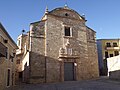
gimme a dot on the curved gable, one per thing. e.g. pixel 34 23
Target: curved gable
pixel 66 12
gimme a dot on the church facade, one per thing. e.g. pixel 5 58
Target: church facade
pixel 59 47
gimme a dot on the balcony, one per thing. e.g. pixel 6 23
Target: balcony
pixel 3 50
pixel 112 48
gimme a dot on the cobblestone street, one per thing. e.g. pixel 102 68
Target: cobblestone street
pixel 99 84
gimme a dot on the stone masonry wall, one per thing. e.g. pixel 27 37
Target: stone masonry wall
pixel 44 57
pixel 37 55
pixel 53 43
pixel 55 40
pixel 92 53
pixel 7 63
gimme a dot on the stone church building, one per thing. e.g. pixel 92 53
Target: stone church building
pixel 59 47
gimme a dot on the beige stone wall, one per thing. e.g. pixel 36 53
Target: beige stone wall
pixel 93 60
pixel 37 54
pixel 22 56
pixel 55 39
pixel 6 63
pixel 2 75
pixel 22 40
pixel 92 54
pixel 47 38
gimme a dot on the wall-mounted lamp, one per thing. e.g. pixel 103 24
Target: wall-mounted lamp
pixel 75 64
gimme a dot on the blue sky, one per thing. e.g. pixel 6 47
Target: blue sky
pixel 103 15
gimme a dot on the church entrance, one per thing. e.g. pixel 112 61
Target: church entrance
pixel 68 71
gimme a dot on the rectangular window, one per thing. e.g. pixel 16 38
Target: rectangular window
pixel 8 77
pixel 108 44
pixel 106 55
pixel 111 55
pixel 115 45
pixel 67 31
pixel 116 53
pixel 3 50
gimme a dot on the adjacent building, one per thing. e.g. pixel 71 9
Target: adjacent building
pixel 7 59
pixel 59 47
pixel 107 48
pixel 113 64
pixel 22 58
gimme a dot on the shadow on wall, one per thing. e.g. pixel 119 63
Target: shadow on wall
pixel 26 73
pixel 104 69
pixel 22 76
pixel 114 74
pixel 43 69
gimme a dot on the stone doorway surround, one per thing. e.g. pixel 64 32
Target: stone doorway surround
pixel 69 60
pixel 64 58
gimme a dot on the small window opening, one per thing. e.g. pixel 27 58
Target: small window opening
pixel 111 55
pixel 108 44
pixel 67 31
pixel 66 14
pixel 116 53
pixel 115 45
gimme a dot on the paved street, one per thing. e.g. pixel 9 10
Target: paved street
pixel 99 84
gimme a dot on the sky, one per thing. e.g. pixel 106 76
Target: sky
pixel 103 16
